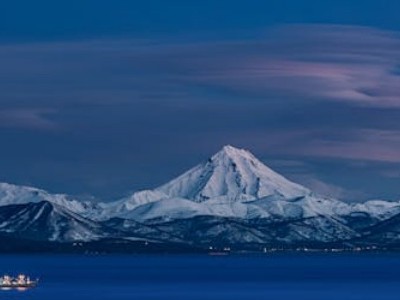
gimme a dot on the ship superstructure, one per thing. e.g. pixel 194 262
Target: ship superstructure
pixel 21 281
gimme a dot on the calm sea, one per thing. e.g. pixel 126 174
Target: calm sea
pixel 282 276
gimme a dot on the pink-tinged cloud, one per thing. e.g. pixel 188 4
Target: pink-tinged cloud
pixel 353 144
pixel 335 63
pixel 356 144
pixel 357 65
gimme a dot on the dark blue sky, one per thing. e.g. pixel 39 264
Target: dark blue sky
pixel 82 18
pixel 107 97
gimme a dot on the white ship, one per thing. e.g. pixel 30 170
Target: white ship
pixel 20 282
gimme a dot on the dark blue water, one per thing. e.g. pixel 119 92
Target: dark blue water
pixel 372 276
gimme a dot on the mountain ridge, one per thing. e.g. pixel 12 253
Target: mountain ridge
pixel 231 197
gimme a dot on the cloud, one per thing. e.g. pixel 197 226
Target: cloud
pixel 356 144
pixel 304 173
pixel 330 190
pixel 357 65
pixel 362 144
pixel 319 62
pixel 391 173
pixel 27 119
pixel 249 90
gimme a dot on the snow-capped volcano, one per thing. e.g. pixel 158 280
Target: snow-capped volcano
pixel 232 183
pixel 219 186
pixel 232 173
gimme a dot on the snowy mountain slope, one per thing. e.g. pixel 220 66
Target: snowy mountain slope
pixel 267 220
pixel 215 231
pixel 378 209
pixel 272 207
pixel 47 221
pixel 14 194
pixel 123 207
pixel 383 233
pixel 133 230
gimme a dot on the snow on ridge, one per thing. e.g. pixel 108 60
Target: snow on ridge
pixel 15 194
pixel 231 183
pixel 380 209
pixel 127 204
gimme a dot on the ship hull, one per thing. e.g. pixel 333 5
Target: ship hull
pixel 17 286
